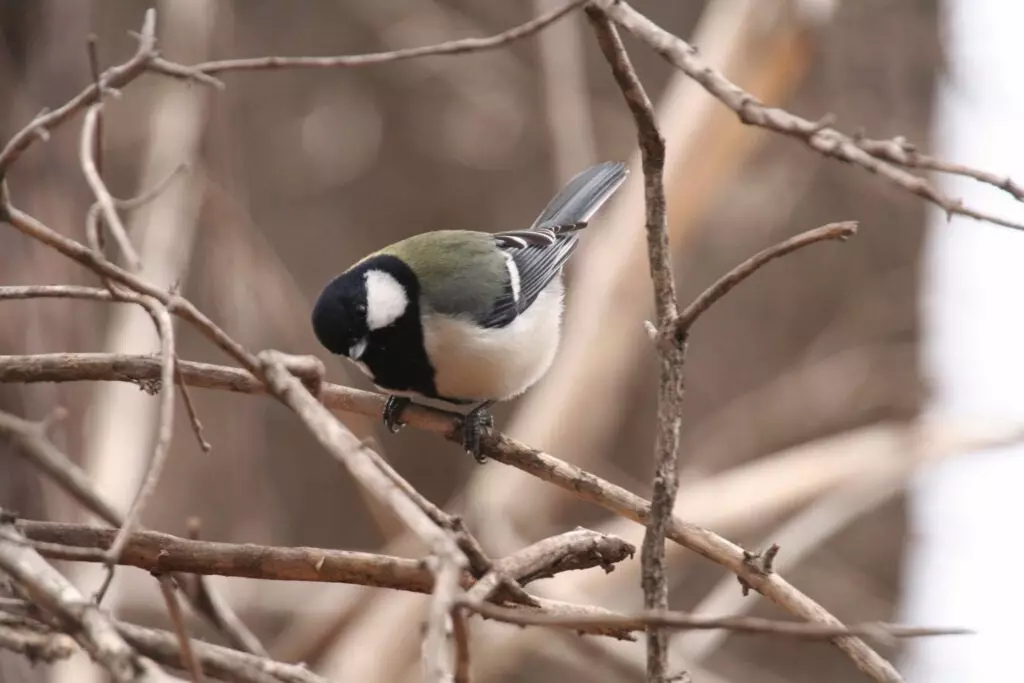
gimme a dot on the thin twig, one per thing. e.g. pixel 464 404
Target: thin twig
pixel 149 194
pixel 579 483
pixel 32 443
pixel 16 292
pixel 452 47
pixel 188 658
pixel 50 590
pixel 114 77
pixel 577 549
pixel 671 350
pixel 447 562
pixel 90 167
pixel 87 257
pixel 165 330
pixel 818 135
pixel 460 632
pixel 190 408
pixel 899 151
pixel 878 631
pixel 221 662
pixel 725 284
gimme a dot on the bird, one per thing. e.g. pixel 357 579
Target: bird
pixel 462 316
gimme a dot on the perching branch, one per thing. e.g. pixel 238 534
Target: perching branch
pixel 271 370
pixel 500 448
pixel 447 563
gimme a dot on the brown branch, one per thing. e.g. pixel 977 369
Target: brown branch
pixel 460 632
pixel 447 562
pixel 572 550
pixel 165 330
pixel 880 631
pixel 36 646
pixel 85 256
pixel 14 293
pixel 39 641
pixel 453 47
pixel 577 482
pixel 115 77
pixel 188 658
pixel 160 553
pixel 672 350
pixel 190 409
pixel 91 169
pixel 818 135
pixel 899 151
pixel 32 443
pixel 47 588
pixel 588 487
pixel 725 284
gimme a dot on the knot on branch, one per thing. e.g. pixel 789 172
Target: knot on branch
pixel 760 562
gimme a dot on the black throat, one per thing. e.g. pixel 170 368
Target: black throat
pixel 395 354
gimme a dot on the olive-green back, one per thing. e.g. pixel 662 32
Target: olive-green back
pixel 461 272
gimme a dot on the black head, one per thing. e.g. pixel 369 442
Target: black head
pixel 371 315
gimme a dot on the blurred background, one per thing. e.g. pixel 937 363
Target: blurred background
pixel 798 384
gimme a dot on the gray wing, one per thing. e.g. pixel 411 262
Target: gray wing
pixel 536 255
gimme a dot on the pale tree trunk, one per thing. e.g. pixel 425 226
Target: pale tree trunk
pixel 966 512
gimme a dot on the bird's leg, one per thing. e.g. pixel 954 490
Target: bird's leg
pixel 474 424
pixel 392 415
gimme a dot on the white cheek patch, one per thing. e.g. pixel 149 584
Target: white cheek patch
pixel 386 299
pixel 513 276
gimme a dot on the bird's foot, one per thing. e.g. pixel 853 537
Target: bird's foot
pixel 475 424
pixel 392 415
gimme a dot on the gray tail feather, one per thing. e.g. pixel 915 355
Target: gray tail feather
pixel 582 196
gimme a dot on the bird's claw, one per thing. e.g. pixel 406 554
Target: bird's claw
pixel 392 415
pixel 475 424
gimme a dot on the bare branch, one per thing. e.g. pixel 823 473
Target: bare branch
pixel 899 151
pixel 160 553
pixel 32 443
pixel 818 135
pixel 188 657
pixel 115 77
pixel 35 646
pixel 573 480
pixel 879 631
pixel 577 549
pixel 448 560
pixel 165 330
pixel 453 47
pixel 725 284
pixel 161 646
pixel 55 594
pixel 672 350
pixel 85 256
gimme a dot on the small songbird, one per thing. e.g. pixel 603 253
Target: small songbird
pixel 462 316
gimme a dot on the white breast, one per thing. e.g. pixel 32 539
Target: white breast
pixel 478 363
